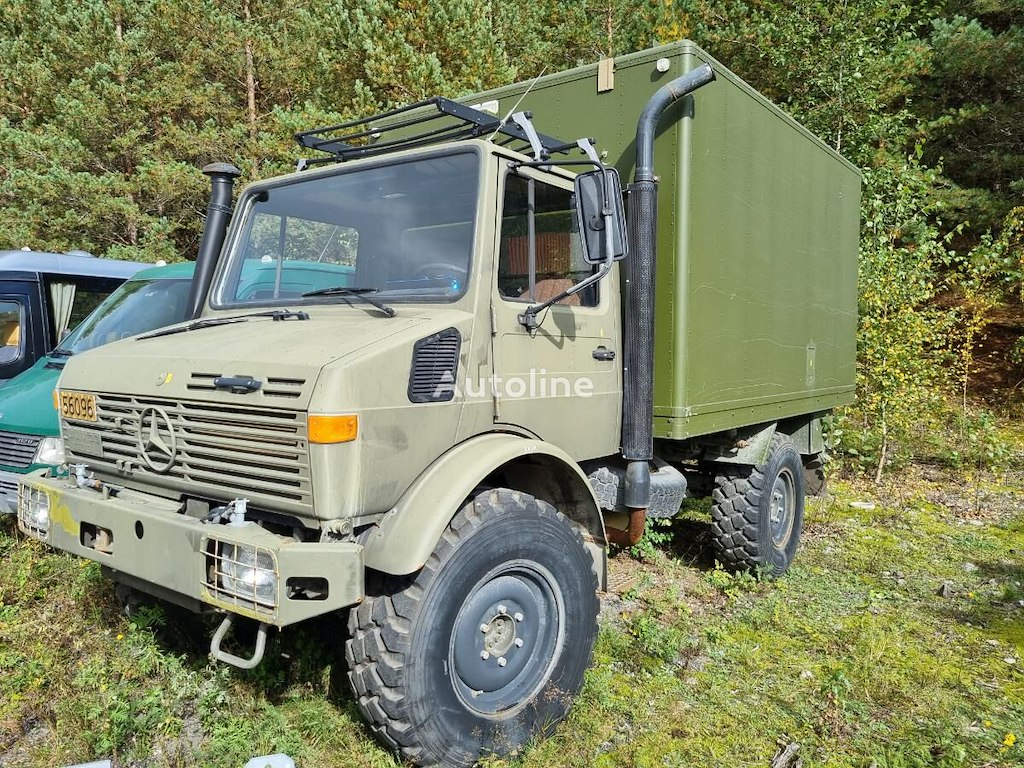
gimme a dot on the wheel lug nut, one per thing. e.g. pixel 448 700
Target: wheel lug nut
pixel 519 642
pixel 502 610
pixel 502 661
pixel 484 627
pixel 518 616
pixel 485 655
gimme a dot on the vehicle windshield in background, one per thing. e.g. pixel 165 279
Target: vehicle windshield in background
pixel 136 307
pixel 403 231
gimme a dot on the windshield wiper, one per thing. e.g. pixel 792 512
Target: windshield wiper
pixel 359 293
pixel 209 322
pixel 56 358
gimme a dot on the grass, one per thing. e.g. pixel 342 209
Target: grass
pixel 854 655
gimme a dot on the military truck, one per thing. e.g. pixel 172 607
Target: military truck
pixel 464 375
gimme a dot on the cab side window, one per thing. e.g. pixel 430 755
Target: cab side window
pixel 559 257
pixel 72 299
pixel 11 341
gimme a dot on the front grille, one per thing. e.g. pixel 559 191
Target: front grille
pixel 220 451
pixel 18 450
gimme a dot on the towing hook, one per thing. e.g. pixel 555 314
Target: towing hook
pixel 229 658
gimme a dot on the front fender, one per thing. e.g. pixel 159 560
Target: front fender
pixel 404 538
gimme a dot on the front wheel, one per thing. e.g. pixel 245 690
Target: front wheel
pixel 758 511
pixel 483 648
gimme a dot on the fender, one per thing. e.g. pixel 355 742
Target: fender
pixel 404 538
pixel 750 446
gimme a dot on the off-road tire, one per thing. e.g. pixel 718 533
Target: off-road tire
pixel 413 639
pixel 748 532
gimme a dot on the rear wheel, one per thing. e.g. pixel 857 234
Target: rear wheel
pixel 483 648
pixel 758 511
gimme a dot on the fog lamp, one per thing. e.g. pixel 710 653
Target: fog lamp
pixel 248 574
pixel 33 511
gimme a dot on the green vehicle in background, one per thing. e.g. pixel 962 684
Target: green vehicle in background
pixel 462 375
pixel 29 427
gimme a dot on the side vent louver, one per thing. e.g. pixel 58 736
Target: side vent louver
pixel 435 363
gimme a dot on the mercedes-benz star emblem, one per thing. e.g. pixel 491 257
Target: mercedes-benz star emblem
pixel 157 443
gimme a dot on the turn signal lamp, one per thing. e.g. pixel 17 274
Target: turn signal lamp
pixel 56 401
pixel 324 428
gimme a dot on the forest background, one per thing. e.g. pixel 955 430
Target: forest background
pixel 109 108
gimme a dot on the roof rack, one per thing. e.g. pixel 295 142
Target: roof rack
pixel 446 121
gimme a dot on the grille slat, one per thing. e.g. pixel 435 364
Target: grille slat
pixel 242 486
pixel 269 464
pixel 222 450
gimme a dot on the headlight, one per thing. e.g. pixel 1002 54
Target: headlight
pixel 33 511
pixel 248 574
pixel 50 451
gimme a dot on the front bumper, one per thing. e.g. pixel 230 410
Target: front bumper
pixel 145 542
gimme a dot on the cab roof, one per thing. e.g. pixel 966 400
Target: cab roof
pixel 66 264
pixel 167 271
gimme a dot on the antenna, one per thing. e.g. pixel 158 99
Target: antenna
pixel 516 105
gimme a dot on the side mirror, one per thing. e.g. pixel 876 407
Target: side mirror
pixel 600 215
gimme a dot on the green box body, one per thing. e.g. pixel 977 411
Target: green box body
pixel 758 219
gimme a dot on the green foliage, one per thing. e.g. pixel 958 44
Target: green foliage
pixel 654 638
pixel 903 334
pixel 979 444
pixel 972 98
pixel 843 69
pixel 657 533
pixel 110 109
pixel 732 584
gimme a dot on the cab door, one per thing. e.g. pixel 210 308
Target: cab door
pixel 561 381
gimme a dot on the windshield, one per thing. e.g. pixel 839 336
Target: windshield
pixel 402 230
pixel 136 307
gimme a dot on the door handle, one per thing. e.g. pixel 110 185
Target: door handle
pixel 603 353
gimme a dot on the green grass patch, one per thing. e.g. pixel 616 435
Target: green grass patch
pixel 854 655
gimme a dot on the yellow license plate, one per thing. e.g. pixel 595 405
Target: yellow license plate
pixel 79 406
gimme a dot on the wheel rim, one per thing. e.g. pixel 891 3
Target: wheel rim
pixel 507 636
pixel 782 507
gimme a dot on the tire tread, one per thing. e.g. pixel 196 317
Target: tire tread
pixel 736 501
pixel 380 627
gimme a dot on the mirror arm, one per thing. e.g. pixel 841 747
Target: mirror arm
pixel 528 319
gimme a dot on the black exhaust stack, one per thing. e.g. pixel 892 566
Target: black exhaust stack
pixel 218 215
pixel 638 394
